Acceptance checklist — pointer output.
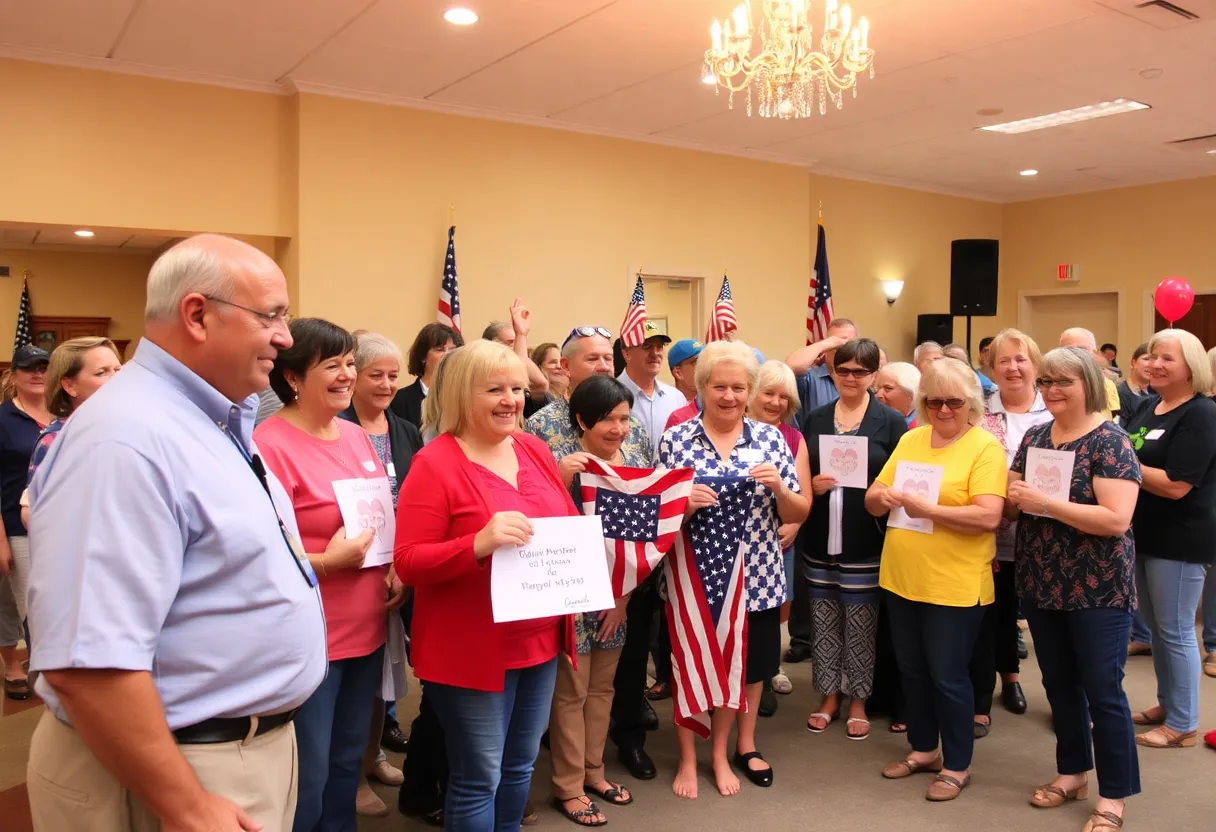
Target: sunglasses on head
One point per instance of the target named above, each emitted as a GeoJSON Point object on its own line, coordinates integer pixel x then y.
{"type": "Point", "coordinates": [1048, 383]}
{"type": "Point", "coordinates": [851, 372]}
{"type": "Point", "coordinates": [952, 404]}
{"type": "Point", "coordinates": [587, 332]}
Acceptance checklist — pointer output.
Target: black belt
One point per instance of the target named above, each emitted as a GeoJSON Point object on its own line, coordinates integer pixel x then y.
{"type": "Point", "coordinates": [234, 729]}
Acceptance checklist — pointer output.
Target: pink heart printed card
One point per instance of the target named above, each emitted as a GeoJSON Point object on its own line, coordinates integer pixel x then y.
{"type": "Point", "coordinates": [846, 458]}
{"type": "Point", "coordinates": [1049, 472]}
{"type": "Point", "coordinates": [922, 480]}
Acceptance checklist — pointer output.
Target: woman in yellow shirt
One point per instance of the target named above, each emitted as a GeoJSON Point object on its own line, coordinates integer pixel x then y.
{"type": "Point", "coordinates": [937, 566]}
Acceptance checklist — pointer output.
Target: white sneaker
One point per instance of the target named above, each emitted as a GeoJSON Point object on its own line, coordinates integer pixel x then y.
{"type": "Point", "coordinates": [782, 683]}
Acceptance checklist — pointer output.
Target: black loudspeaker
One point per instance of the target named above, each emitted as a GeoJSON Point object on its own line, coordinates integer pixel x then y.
{"type": "Point", "coordinates": [973, 266]}
{"type": "Point", "coordinates": [939, 328]}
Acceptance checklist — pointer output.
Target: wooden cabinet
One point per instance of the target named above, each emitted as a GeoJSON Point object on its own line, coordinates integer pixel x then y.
{"type": "Point", "coordinates": [49, 331]}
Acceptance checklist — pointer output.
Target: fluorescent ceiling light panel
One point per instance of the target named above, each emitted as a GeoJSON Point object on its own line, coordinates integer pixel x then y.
{"type": "Point", "coordinates": [1073, 116]}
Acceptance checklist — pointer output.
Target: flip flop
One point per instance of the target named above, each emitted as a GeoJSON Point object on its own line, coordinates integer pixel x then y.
{"type": "Point", "coordinates": [614, 794]}
{"type": "Point", "coordinates": [829, 717]}
{"type": "Point", "coordinates": [583, 817]}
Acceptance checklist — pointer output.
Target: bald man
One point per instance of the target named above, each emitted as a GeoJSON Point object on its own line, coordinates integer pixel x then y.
{"type": "Point", "coordinates": [179, 627]}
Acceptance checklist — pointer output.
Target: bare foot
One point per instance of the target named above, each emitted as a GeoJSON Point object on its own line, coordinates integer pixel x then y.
{"type": "Point", "coordinates": [728, 783]}
{"type": "Point", "coordinates": [685, 784]}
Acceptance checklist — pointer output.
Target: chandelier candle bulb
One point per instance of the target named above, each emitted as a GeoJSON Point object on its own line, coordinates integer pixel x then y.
{"type": "Point", "coordinates": [865, 33]}
{"type": "Point", "coordinates": [846, 17]}
{"type": "Point", "coordinates": [741, 20]}
{"type": "Point", "coordinates": [715, 33]}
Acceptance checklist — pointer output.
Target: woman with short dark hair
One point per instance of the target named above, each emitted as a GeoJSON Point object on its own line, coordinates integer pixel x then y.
{"type": "Point", "coordinates": [432, 343]}
{"type": "Point", "coordinates": [582, 698]}
{"type": "Point", "coordinates": [308, 447]}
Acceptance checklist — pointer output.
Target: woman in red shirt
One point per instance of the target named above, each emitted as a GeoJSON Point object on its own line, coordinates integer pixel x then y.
{"type": "Point", "coordinates": [470, 491]}
{"type": "Point", "coordinates": [309, 448]}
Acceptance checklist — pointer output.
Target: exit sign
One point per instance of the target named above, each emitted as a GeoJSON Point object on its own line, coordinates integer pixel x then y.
{"type": "Point", "coordinates": [1068, 273]}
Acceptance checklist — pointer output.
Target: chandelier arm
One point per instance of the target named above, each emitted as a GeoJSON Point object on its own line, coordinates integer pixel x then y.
{"type": "Point", "coordinates": [817, 65]}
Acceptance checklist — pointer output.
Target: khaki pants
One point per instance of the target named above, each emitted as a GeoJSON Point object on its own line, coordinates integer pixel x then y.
{"type": "Point", "coordinates": [70, 790]}
{"type": "Point", "coordinates": [578, 725]}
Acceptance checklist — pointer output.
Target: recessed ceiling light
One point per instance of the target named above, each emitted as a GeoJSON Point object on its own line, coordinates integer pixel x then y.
{"type": "Point", "coordinates": [989, 111]}
{"type": "Point", "coordinates": [1029, 172]}
{"type": "Point", "coordinates": [1150, 74]}
{"type": "Point", "coordinates": [1211, 152]}
{"type": "Point", "coordinates": [84, 232]}
{"type": "Point", "coordinates": [1090, 111]}
{"type": "Point", "coordinates": [460, 16]}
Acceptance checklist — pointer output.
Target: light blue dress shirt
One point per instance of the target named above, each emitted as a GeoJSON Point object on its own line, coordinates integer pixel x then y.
{"type": "Point", "coordinates": [815, 389]}
{"type": "Point", "coordinates": [652, 411]}
{"type": "Point", "coordinates": [155, 547]}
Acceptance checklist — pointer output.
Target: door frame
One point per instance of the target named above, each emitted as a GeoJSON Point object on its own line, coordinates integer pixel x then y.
{"type": "Point", "coordinates": [700, 317]}
{"type": "Point", "coordinates": [1149, 318]}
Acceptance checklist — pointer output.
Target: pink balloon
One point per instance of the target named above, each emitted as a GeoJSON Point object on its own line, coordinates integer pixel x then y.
{"type": "Point", "coordinates": [1173, 298]}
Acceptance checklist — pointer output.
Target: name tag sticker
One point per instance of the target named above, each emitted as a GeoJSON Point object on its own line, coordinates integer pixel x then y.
{"type": "Point", "coordinates": [752, 456]}
{"type": "Point", "coordinates": [391, 470]}
{"type": "Point", "coordinates": [1154, 434]}
{"type": "Point", "coordinates": [369, 465]}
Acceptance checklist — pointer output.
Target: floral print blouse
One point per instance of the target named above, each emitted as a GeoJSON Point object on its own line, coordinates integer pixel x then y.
{"type": "Point", "coordinates": [1058, 567]}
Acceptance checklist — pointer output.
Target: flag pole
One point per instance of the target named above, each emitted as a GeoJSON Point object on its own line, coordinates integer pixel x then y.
{"type": "Point", "coordinates": [451, 214]}
{"type": "Point", "coordinates": [821, 212]}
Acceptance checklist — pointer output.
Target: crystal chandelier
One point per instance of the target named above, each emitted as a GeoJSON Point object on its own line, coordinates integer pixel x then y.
{"type": "Point", "coordinates": [788, 74]}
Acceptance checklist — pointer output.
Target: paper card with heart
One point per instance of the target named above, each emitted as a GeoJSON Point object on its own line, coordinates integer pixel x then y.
{"type": "Point", "coordinates": [847, 458]}
{"type": "Point", "coordinates": [925, 480]}
{"type": "Point", "coordinates": [1049, 472]}
{"type": "Point", "coordinates": [368, 504]}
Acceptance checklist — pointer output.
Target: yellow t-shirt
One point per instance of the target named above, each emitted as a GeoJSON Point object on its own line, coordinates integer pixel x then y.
{"type": "Point", "coordinates": [946, 567]}
{"type": "Point", "coordinates": [1112, 400]}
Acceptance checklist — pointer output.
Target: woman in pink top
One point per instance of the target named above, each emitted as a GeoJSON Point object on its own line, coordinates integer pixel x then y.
{"type": "Point", "coordinates": [308, 448]}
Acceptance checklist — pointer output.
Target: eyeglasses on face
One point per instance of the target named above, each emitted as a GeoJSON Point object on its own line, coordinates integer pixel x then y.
{"type": "Point", "coordinates": [950, 404]}
{"type": "Point", "coordinates": [268, 319]}
{"type": "Point", "coordinates": [1048, 383]}
{"type": "Point", "coordinates": [587, 332]}
{"type": "Point", "coordinates": [851, 372]}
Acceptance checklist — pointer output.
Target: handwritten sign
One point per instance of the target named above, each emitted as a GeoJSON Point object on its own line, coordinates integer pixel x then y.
{"type": "Point", "coordinates": [368, 504]}
{"type": "Point", "coordinates": [847, 458]}
{"type": "Point", "coordinates": [1049, 472]}
{"type": "Point", "coordinates": [925, 480]}
{"type": "Point", "coordinates": [561, 570]}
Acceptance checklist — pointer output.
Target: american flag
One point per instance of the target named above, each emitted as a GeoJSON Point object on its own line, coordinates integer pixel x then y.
{"type": "Point", "coordinates": [819, 304]}
{"type": "Point", "coordinates": [722, 320]}
{"type": "Point", "coordinates": [23, 319]}
{"type": "Point", "coordinates": [633, 328]}
{"type": "Point", "coordinates": [707, 606]}
{"type": "Point", "coordinates": [449, 289]}
{"type": "Point", "coordinates": [642, 509]}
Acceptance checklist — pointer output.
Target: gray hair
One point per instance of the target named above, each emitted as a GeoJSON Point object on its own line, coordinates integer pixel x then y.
{"type": "Point", "coordinates": [726, 352]}
{"type": "Point", "coordinates": [490, 333]}
{"type": "Point", "coordinates": [924, 345]}
{"type": "Point", "coordinates": [184, 269]}
{"type": "Point", "coordinates": [370, 347]}
{"type": "Point", "coordinates": [1078, 363]}
{"type": "Point", "coordinates": [1081, 333]}
{"type": "Point", "coordinates": [905, 375]}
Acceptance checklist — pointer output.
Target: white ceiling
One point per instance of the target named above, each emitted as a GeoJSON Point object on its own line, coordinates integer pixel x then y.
{"type": "Point", "coordinates": [631, 68]}
{"type": "Point", "coordinates": [63, 237]}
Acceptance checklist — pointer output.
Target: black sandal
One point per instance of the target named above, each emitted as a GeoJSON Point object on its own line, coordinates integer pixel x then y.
{"type": "Point", "coordinates": [17, 689]}
{"type": "Point", "coordinates": [614, 794]}
{"type": "Point", "coordinates": [583, 817]}
{"type": "Point", "coordinates": [658, 692]}
{"type": "Point", "coordinates": [761, 777]}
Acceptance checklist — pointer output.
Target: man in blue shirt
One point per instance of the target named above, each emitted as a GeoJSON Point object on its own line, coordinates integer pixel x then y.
{"type": "Point", "coordinates": [178, 623]}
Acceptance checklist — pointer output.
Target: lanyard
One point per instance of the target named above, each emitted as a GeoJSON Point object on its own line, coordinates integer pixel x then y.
{"type": "Point", "coordinates": [293, 545]}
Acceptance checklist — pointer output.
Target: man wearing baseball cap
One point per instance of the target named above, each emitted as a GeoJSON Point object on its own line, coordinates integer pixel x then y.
{"type": "Point", "coordinates": [682, 359]}
{"type": "Point", "coordinates": [653, 401]}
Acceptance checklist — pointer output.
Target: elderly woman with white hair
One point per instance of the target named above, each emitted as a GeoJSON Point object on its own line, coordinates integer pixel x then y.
{"type": "Point", "coordinates": [895, 386]}
{"type": "Point", "coordinates": [937, 567]}
{"type": "Point", "coordinates": [749, 463]}
{"type": "Point", "coordinates": [1174, 434]}
{"type": "Point", "coordinates": [775, 403]}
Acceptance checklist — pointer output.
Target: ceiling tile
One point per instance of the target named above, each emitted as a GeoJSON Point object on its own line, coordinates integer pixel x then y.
{"type": "Point", "coordinates": [75, 27]}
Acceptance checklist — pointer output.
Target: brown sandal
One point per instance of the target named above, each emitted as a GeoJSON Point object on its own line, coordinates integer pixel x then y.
{"type": "Point", "coordinates": [944, 787]}
{"type": "Point", "coordinates": [1103, 820]}
{"type": "Point", "coordinates": [1164, 737]}
{"type": "Point", "coordinates": [1142, 718]}
{"type": "Point", "coordinates": [1051, 795]}
{"type": "Point", "coordinates": [906, 768]}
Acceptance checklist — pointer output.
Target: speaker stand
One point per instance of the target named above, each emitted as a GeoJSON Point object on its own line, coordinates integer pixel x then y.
{"type": "Point", "coordinates": [968, 337]}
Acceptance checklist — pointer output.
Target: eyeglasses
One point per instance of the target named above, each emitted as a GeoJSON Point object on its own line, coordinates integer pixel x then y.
{"type": "Point", "coordinates": [849, 372]}
{"type": "Point", "coordinates": [952, 404]}
{"type": "Point", "coordinates": [1048, 383]}
{"type": "Point", "coordinates": [268, 319]}
{"type": "Point", "coordinates": [587, 332]}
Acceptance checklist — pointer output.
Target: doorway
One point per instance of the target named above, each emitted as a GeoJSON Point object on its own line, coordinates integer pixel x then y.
{"type": "Point", "coordinates": [673, 305]}
{"type": "Point", "coordinates": [1200, 321]}
{"type": "Point", "coordinates": [1043, 317]}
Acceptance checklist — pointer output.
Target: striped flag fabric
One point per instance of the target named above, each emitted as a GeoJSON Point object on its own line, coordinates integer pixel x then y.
{"type": "Point", "coordinates": [449, 289]}
{"type": "Point", "coordinates": [633, 328]}
{"type": "Point", "coordinates": [22, 337]}
{"type": "Point", "coordinates": [722, 319]}
{"type": "Point", "coordinates": [641, 509]}
{"type": "Point", "coordinates": [819, 303]}
{"type": "Point", "coordinates": [707, 606]}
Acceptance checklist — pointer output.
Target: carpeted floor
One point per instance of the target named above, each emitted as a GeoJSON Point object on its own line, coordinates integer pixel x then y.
{"type": "Point", "coordinates": [827, 782]}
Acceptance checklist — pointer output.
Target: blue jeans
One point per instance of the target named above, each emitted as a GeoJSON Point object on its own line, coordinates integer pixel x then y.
{"type": "Point", "coordinates": [1081, 654]}
{"type": "Point", "coordinates": [1140, 631]}
{"type": "Point", "coordinates": [933, 646]}
{"type": "Point", "coordinates": [492, 741]}
{"type": "Point", "coordinates": [1169, 593]}
{"type": "Point", "coordinates": [1209, 612]}
{"type": "Point", "coordinates": [331, 731]}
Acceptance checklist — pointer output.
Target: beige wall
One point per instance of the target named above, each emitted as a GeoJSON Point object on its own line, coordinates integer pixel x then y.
{"type": "Point", "coordinates": [69, 283]}
{"type": "Point", "coordinates": [1125, 241]}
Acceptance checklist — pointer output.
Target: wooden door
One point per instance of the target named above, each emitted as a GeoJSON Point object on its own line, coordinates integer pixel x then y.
{"type": "Point", "coordinates": [1200, 321]}
{"type": "Point", "coordinates": [49, 331]}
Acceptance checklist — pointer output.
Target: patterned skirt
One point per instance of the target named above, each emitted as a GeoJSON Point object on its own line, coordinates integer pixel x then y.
{"type": "Point", "coordinates": [848, 583]}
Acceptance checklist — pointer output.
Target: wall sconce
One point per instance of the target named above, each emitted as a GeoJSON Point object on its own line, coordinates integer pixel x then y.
{"type": "Point", "coordinates": [892, 289]}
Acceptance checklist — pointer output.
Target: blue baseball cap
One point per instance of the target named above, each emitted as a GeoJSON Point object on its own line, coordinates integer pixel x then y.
{"type": "Point", "coordinates": [683, 350]}
{"type": "Point", "coordinates": [759, 355]}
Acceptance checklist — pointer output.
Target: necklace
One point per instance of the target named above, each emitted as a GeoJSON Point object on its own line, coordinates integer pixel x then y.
{"type": "Point", "coordinates": [853, 415]}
